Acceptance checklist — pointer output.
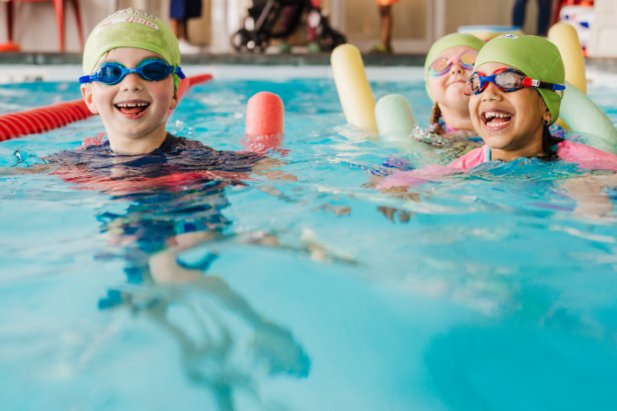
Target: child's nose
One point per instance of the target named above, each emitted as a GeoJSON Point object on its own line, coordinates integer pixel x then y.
{"type": "Point", "coordinates": [131, 81]}
{"type": "Point", "coordinates": [491, 92]}
{"type": "Point", "coordinates": [456, 68]}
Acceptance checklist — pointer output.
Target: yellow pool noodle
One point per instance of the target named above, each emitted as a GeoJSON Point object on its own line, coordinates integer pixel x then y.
{"type": "Point", "coordinates": [565, 37]}
{"type": "Point", "coordinates": [353, 88]}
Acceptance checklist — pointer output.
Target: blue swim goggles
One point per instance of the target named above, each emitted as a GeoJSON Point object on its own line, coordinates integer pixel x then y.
{"type": "Point", "coordinates": [111, 73]}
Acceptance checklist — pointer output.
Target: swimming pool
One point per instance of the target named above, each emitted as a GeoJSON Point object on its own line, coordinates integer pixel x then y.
{"type": "Point", "coordinates": [486, 291]}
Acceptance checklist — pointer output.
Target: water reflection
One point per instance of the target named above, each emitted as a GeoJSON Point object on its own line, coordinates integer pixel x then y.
{"type": "Point", "coordinates": [162, 206]}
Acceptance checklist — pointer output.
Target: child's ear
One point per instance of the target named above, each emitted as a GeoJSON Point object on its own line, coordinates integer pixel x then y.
{"type": "Point", "coordinates": [547, 117]}
{"type": "Point", "coordinates": [86, 93]}
{"type": "Point", "coordinates": [174, 100]}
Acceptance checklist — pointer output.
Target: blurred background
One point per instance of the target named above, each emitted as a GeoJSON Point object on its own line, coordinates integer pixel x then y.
{"type": "Point", "coordinates": [417, 23]}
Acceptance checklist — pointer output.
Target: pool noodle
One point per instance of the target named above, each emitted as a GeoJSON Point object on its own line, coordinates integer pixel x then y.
{"type": "Point", "coordinates": [565, 37]}
{"type": "Point", "coordinates": [265, 119]}
{"type": "Point", "coordinates": [578, 111]}
{"type": "Point", "coordinates": [396, 123]}
{"type": "Point", "coordinates": [395, 120]}
{"type": "Point", "coordinates": [47, 118]}
{"type": "Point", "coordinates": [353, 88]}
{"type": "Point", "coordinates": [585, 117]}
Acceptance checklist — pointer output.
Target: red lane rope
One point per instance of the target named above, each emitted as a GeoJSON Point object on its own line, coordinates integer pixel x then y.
{"type": "Point", "coordinates": [42, 119]}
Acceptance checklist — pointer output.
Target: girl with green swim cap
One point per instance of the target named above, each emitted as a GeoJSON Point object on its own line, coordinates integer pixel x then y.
{"type": "Point", "coordinates": [448, 64]}
{"type": "Point", "coordinates": [515, 94]}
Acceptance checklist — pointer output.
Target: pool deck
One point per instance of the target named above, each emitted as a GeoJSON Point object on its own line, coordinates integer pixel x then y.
{"type": "Point", "coordinates": [296, 59]}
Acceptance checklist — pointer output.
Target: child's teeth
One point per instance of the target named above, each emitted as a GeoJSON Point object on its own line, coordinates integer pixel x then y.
{"type": "Point", "coordinates": [128, 105]}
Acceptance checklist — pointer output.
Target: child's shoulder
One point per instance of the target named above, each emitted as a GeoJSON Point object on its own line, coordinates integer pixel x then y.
{"type": "Point", "coordinates": [173, 143]}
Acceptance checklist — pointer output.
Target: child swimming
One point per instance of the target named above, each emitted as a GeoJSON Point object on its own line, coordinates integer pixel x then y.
{"type": "Point", "coordinates": [447, 66]}
{"type": "Point", "coordinates": [515, 93]}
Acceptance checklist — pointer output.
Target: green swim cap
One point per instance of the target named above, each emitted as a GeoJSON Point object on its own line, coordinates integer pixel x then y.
{"type": "Point", "coordinates": [131, 28]}
{"type": "Point", "coordinates": [535, 56]}
{"type": "Point", "coordinates": [447, 42]}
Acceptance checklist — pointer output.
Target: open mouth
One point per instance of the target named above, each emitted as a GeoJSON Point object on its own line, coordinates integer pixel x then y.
{"type": "Point", "coordinates": [496, 120]}
{"type": "Point", "coordinates": [132, 108]}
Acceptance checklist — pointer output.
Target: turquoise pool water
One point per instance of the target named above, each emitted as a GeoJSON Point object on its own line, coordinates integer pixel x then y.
{"type": "Point", "coordinates": [485, 291]}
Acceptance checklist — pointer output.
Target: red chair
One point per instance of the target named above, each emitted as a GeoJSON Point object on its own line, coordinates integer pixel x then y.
{"type": "Point", "coordinates": [59, 11]}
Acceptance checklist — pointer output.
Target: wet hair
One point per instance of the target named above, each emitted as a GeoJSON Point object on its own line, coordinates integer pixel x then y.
{"type": "Point", "coordinates": [434, 120]}
{"type": "Point", "coordinates": [549, 144]}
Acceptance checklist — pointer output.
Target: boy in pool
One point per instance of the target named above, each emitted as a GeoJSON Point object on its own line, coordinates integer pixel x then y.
{"type": "Point", "coordinates": [132, 72]}
{"type": "Point", "coordinates": [515, 93]}
{"type": "Point", "coordinates": [132, 65]}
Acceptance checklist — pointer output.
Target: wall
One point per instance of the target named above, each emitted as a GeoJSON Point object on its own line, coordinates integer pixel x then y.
{"type": "Point", "coordinates": [417, 22]}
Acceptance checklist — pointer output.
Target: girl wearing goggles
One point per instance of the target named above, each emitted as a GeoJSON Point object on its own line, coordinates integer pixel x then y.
{"type": "Point", "coordinates": [448, 64]}
{"type": "Point", "coordinates": [512, 109]}
{"type": "Point", "coordinates": [509, 113]}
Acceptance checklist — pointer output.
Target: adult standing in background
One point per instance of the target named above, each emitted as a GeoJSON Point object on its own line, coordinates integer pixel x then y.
{"type": "Point", "coordinates": [386, 22]}
{"type": "Point", "coordinates": [544, 15]}
{"type": "Point", "coordinates": [180, 11]}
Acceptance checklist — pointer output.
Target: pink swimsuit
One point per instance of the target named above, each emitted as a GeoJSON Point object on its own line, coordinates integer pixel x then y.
{"type": "Point", "coordinates": [571, 152]}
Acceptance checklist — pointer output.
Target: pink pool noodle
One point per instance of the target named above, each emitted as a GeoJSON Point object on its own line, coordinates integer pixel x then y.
{"type": "Point", "coordinates": [265, 115]}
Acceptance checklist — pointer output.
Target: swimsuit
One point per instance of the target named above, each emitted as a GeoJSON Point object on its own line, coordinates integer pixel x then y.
{"type": "Point", "coordinates": [584, 156]}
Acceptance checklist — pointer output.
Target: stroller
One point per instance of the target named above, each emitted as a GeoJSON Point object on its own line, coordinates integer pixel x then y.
{"type": "Point", "coordinates": [268, 19]}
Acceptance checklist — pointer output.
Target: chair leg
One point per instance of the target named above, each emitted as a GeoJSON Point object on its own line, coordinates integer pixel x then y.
{"type": "Point", "coordinates": [9, 15]}
{"type": "Point", "coordinates": [80, 30]}
{"type": "Point", "coordinates": [59, 9]}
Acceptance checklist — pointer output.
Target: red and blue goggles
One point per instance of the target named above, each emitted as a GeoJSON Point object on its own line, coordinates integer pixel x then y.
{"type": "Point", "coordinates": [507, 80]}
{"type": "Point", "coordinates": [442, 65]}
{"type": "Point", "coordinates": [111, 73]}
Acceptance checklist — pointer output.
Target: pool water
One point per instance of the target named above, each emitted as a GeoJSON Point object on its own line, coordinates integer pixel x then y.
{"type": "Point", "coordinates": [490, 290]}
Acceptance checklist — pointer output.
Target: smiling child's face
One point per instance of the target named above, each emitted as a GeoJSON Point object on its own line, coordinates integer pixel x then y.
{"type": "Point", "coordinates": [511, 124]}
{"type": "Point", "coordinates": [135, 110]}
{"type": "Point", "coordinates": [448, 90]}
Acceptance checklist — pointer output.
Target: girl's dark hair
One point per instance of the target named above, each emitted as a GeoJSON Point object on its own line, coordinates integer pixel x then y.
{"type": "Point", "coordinates": [549, 144]}
{"type": "Point", "coordinates": [434, 121]}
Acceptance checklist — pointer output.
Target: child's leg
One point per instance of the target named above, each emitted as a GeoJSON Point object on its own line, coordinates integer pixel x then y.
{"type": "Point", "coordinates": [518, 13]}
{"type": "Point", "coordinates": [385, 13]}
{"type": "Point", "coordinates": [544, 16]}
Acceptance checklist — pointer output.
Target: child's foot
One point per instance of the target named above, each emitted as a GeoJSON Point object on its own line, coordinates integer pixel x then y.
{"type": "Point", "coordinates": [188, 48]}
{"type": "Point", "coordinates": [313, 47]}
{"type": "Point", "coordinates": [284, 48]}
{"type": "Point", "coordinates": [381, 49]}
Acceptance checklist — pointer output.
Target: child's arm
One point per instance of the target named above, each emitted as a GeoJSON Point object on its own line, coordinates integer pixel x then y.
{"type": "Point", "coordinates": [590, 195]}
{"type": "Point", "coordinates": [35, 169]}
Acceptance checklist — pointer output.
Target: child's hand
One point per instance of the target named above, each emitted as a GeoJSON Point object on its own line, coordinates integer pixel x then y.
{"type": "Point", "coordinates": [391, 214]}
{"type": "Point", "coordinates": [264, 167]}
{"type": "Point", "coordinates": [588, 192]}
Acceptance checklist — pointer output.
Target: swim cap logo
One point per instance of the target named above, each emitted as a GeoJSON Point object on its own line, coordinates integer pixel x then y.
{"type": "Point", "coordinates": [510, 36]}
{"type": "Point", "coordinates": [129, 16]}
